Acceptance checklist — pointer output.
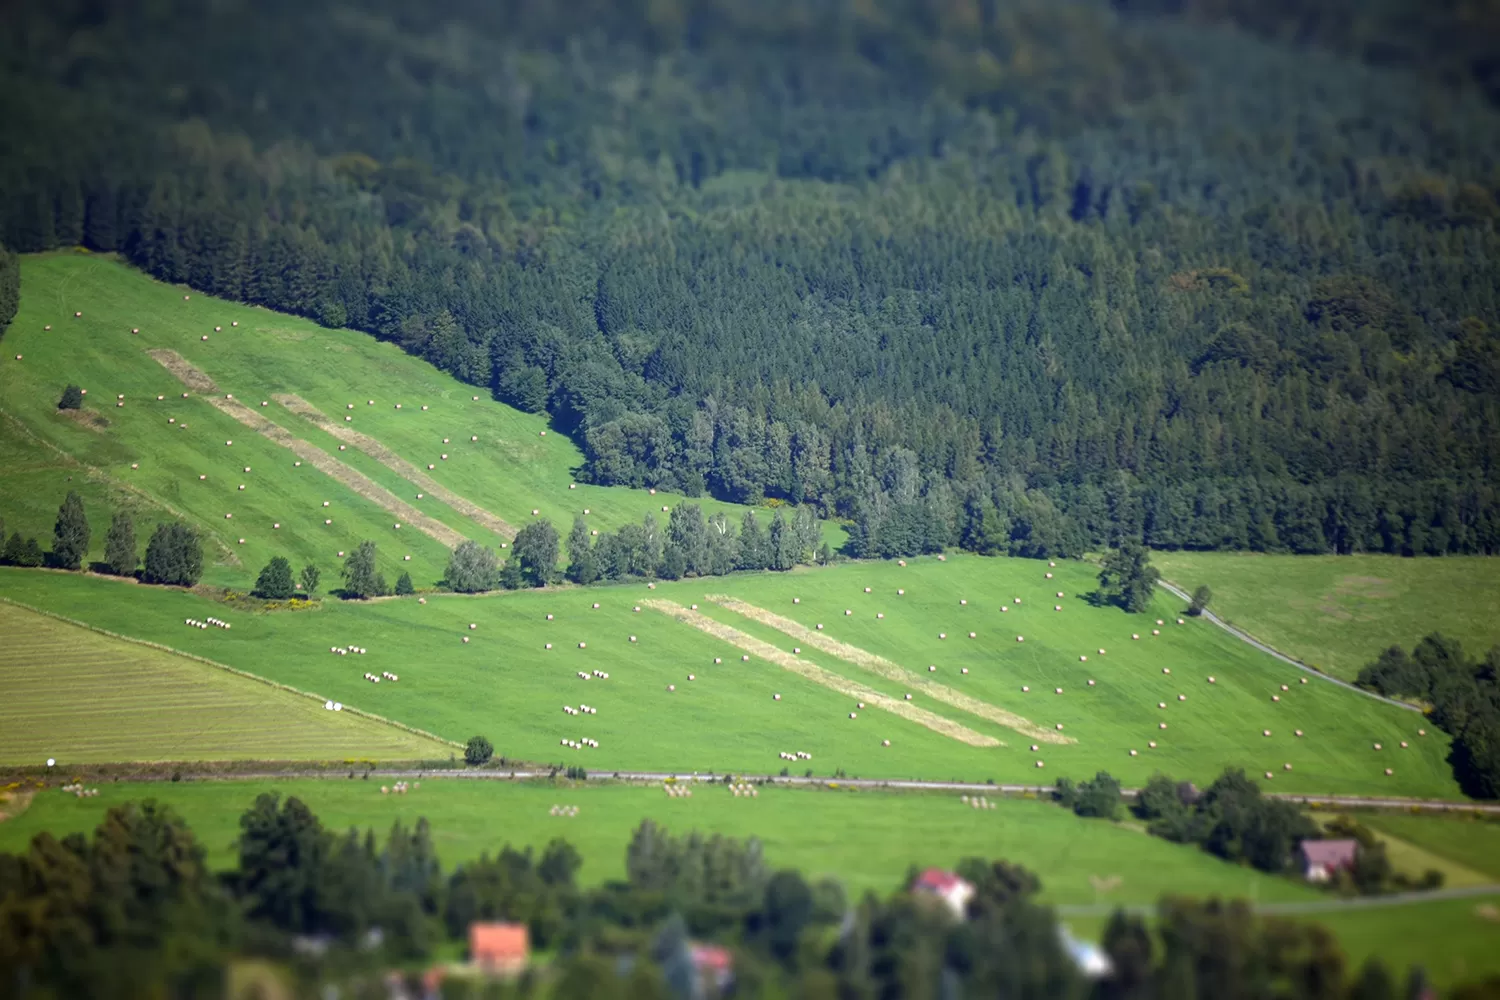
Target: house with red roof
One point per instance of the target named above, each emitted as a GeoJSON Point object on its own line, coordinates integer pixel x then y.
{"type": "Point", "coordinates": [946, 887]}
{"type": "Point", "coordinates": [1320, 859]}
{"type": "Point", "coordinates": [499, 949]}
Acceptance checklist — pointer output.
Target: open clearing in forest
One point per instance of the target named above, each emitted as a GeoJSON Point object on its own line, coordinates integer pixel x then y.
{"type": "Point", "coordinates": [1338, 612]}
{"type": "Point", "coordinates": [157, 449]}
{"type": "Point", "coordinates": [505, 683]}
{"type": "Point", "coordinates": [83, 697]}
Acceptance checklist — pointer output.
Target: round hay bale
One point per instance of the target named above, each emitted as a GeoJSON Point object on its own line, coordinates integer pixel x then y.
{"type": "Point", "coordinates": [965, 669]}
{"type": "Point", "coordinates": [1091, 682]}
{"type": "Point", "coordinates": [1057, 690]}
{"type": "Point", "coordinates": [1389, 772]}
{"type": "Point", "coordinates": [1025, 688]}
{"type": "Point", "coordinates": [1151, 745]}
{"type": "Point", "coordinates": [1040, 764]}
{"type": "Point", "coordinates": [1275, 697]}
{"type": "Point", "coordinates": [1265, 732]}
{"type": "Point", "coordinates": [1059, 726]}
{"type": "Point", "coordinates": [931, 668]}
{"type": "Point", "coordinates": [745, 658]}
{"type": "Point", "coordinates": [1182, 697]}
{"type": "Point", "coordinates": [885, 743]}
{"type": "Point", "coordinates": [1211, 680]}
{"type": "Point", "coordinates": [775, 697]}
{"type": "Point", "coordinates": [1132, 753]}
{"type": "Point", "coordinates": [1376, 746]}
{"type": "Point", "coordinates": [1166, 670]}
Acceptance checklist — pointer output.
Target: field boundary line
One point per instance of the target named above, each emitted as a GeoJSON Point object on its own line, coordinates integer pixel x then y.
{"type": "Point", "coordinates": [227, 668]}
{"type": "Point", "coordinates": [1246, 637]}
{"type": "Point", "coordinates": [818, 675]}
{"type": "Point", "coordinates": [388, 458]}
{"type": "Point", "coordinates": [889, 669]}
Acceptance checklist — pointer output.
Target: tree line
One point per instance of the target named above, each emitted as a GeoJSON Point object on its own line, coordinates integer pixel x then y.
{"type": "Point", "coordinates": [174, 553]}
{"type": "Point", "coordinates": [907, 263]}
{"type": "Point", "coordinates": [133, 910]}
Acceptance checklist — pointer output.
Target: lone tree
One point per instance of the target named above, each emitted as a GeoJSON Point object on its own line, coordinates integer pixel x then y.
{"type": "Point", "coordinates": [275, 581]}
{"type": "Point", "coordinates": [361, 579]}
{"type": "Point", "coordinates": [478, 751]}
{"type": "Point", "coordinates": [1128, 577]}
{"type": "Point", "coordinates": [119, 545]}
{"type": "Point", "coordinates": [174, 556]}
{"type": "Point", "coordinates": [309, 578]}
{"type": "Point", "coordinates": [72, 399]}
{"type": "Point", "coordinates": [1200, 600]}
{"type": "Point", "coordinates": [403, 585]}
{"type": "Point", "coordinates": [472, 569]}
{"type": "Point", "coordinates": [70, 536]}
{"type": "Point", "coordinates": [535, 553]}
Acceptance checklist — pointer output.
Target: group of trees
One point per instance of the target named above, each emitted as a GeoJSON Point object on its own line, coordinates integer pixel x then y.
{"type": "Point", "coordinates": [134, 910]}
{"type": "Point", "coordinates": [174, 553]}
{"type": "Point", "coordinates": [1230, 818]}
{"type": "Point", "coordinates": [10, 287]}
{"type": "Point", "coordinates": [276, 582]}
{"type": "Point", "coordinates": [918, 265]}
{"type": "Point", "coordinates": [1464, 696]}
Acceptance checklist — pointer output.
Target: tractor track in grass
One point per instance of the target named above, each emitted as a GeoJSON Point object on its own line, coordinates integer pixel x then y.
{"type": "Point", "coordinates": [400, 466]}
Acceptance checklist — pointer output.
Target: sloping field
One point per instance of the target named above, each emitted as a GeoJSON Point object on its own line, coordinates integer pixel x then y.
{"type": "Point", "coordinates": [1338, 612]}
{"type": "Point", "coordinates": [506, 683]}
{"type": "Point", "coordinates": [82, 697]}
{"type": "Point", "coordinates": [309, 377]}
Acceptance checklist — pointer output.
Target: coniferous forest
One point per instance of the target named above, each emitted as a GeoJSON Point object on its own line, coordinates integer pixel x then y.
{"type": "Point", "coordinates": [1029, 277]}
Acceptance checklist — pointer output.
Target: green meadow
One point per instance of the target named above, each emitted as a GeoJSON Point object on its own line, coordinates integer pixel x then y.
{"type": "Point", "coordinates": [506, 684]}
{"type": "Point", "coordinates": [865, 839]}
{"type": "Point", "coordinates": [172, 452]}
{"type": "Point", "coordinates": [1470, 840]}
{"type": "Point", "coordinates": [1338, 612]}
{"type": "Point", "coordinates": [108, 700]}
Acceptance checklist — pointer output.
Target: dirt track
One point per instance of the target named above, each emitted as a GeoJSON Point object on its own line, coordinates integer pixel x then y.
{"type": "Point", "coordinates": [395, 463]}
{"type": "Point", "coordinates": [818, 675]}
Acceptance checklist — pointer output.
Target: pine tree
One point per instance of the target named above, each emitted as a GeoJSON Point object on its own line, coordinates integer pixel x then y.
{"type": "Point", "coordinates": [275, 582]}
{"type": "Point", "coordinates": [583, 565]}
{"type": "Point", "coordinates": [361, 578]}
{"type": "Point", "coordinates": [22, 552]}
{"type": "Point", "coordinates": [119, 545]}
{"type": "Point", "coordinates": [403, 585]}
{"type": "Point", "coordinates": [174, 556]}
{"type": "Point", "coordinates": [70, 535]}
{"type": "Point", "coordinates": [754, 546]}
{"type": "Point", "coordinates": [781, 544]}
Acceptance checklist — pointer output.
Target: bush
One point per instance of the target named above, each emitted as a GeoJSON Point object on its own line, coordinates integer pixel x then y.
{"type": "Point", "coordinates": [1098, 798]}
{"type": "Point", "coordinates": [72, 399]}
{"type": "Point", "coordinates": [478, 751]}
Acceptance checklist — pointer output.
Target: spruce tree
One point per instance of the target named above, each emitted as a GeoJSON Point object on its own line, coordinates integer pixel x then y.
{"type": "Point", "coordinates": [583, 565]}
{"type": "Point", "coordinates": [361, 579]}
{"type": "Point", "coordinates": [174, 556]}
{"type": "Point", "coordinates": [22, 552]}
{"type": "Point", "coordinates": [275, 582]}
{"type": "Point", "coordinates": [120, 554]}
{"type": "Point", "coordinates": [70, 535]}
{"type": "Point", "coordinates": [403, 585]}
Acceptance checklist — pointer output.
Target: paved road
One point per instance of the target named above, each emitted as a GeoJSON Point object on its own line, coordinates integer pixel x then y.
{"type": "Point", "coordinates": [1246, 637]}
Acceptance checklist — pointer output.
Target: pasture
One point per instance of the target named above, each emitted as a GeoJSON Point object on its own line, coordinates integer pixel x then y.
{"type": "Point", "coordinates": [329, 430]}
{"type": "Point", "coordinates": [668, 705]}
{"type": "Point", "coordinates": [83, 697]}
{"type": "Point", "coordinates": [1469, 840]}
{"type": "Point", "coordinates": [1338, 612]}
{"type": "Point", "coordinates": [866, 840]}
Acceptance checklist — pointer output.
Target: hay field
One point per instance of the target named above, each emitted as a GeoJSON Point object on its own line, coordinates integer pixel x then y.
{"type": "Point", "coordinates": [506, 684]}
{"type": "Point", "coordinates": [1338, 612]}
{"type": "Point", "coordinates": [516, 465]}
{"type": "Point", "coordinates": [82, 697]}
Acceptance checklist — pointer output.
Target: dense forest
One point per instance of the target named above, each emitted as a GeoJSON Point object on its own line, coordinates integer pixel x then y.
{"type": "Point", "coordinates": [1028, 277]}
{"type": "Point", "coordinates": [135, 911]}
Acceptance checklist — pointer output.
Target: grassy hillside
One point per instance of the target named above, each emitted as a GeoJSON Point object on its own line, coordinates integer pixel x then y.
{"type": "Point", "coordinates": [505, 683]}
{"type": "Point", "coordinates": [84, 697]}
{"type": "Point", "coordinates": [865, 839]}
{"type": "Point", "coordinates": [516, 466]}
{"type": "Point", "coordinates": [1338, 612]}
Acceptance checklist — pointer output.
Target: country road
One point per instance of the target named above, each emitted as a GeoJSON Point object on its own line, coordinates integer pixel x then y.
{"type": "Point", "coordinates": [1301, 907]}
{"type": "Point", "coordinates": [1248, 638]}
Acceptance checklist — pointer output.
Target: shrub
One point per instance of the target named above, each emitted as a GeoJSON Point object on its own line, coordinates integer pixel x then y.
{"type": "Point", "coordinates": [478, 751]}
{"type": "Point", "coordinates": [72, 399]}
{"type": "Point", "coordinates": [275, 581]}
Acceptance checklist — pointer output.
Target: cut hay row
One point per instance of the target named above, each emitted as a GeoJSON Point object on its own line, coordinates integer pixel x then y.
{"type": "Point", "coordinates": [357, 481]}
{"type": "Point", "coordinates": [818, 675]}
{"type": "Point", "coordinates": [891, 671]}
{"type": "Point", "coordinates": [397, 464]}
{"type": "Point", "coordinates": [187, 373]}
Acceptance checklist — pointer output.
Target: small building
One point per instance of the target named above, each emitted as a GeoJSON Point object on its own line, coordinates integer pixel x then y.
{"type": "Point", "coordinates": [499, 949]}
{"type": "Point", "coordinates": [1322, 858]}
{"type": "Point", "coordinates": [953, 891]}
{"type": "Point", "coordinates": [715, 968]}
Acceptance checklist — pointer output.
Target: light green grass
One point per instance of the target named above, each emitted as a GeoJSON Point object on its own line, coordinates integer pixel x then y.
{"type": "Point", "coordinates": [1454, 940]}
{"type": "Point", "coordinates": [84, 697]}
{"type": "Point", "coordinates": [865, 839]}
{"type": "Point", "coordinates": [1471, 841]}
{"type": "Point", "coordinates": [506, 685]}
{"type": "Point", "coordinates": [1338, 612]}
{"type": "Point", "coordinates": [512, 470]}
{"type": "Point", "coordinates": [1415, 857]}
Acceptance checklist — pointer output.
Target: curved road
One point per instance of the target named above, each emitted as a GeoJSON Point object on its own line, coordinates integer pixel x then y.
{"type": "Point", "coordinates": [1248, 638]}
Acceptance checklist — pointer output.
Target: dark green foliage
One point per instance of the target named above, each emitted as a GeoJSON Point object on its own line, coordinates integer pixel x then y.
{"type": "Point", "coordinates": [583, 567]}
{"type": "Point", "coordinates": [10, 287]}
{"type": "Point", "coordinates": [361, 577]}
{"type": "Point", "coordinates": [1230, 818]}
{"type": "Point", "coordinates": [1201, 596]}
{"type": "Point", "coordinates": [472, 569]}
{"type": "Point", "coordinates": [70, 534]}
{"type": "Point", "coordinates": [72, 398]}
{"type": "Point", "coordinates": [1372, 873]}
{"type": "Point", "coordinates": [478, 751]}
{"type": "Point", "coordinates": [1098, 797]}
{"type": "Point", "coordinates": [275, 582]}
{"type": "Point", "coordinates": [1128, 578]}
{"type": "Point", "coordinates": [673, 563]}
{"type": "Point", "coordinates": [310, 577]}
{"type": "Point", "coordinates": [1221, 949]}
{"type": "Point", "coordinates": [174, 556]}
{"type": "Point", "coordinates": [404, 586]}
{"type": "Point", "coordinates": [534, 553]}
{"type": "Point", "coordinates": [120, 555]}
{"type": "Point", "coordinates": [1465, 697]}
{"type": "Point", "coordinates": [19, 552]}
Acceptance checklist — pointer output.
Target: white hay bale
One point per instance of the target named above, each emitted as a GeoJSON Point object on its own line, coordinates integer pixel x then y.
{"type": "Point", "coordinates": [1025, 688]}
{"type": "Point", "coordinates": [1049, 576]}
{"type": "Point", "coordinates": [424, 407]}
{"type": "Point", "coordinates": [745, 659]}
{"type": "Point", "coordinates": [879, 614]}
{"type": "Point", "coordinates": [1389, 772]}
{"type": "Point", "coordinates": [205, 336]}
{"type": "Point", "coordinates": [1034, 748]}
{"type": "Point", "coordinates": [1304, 680]}
{"type": "Point", "coordinates": [1403, 744]}
{"type": "Point", "coordinates": [1265, 732]}
{"type": "Point", "coordinates": [717, 660]}
{"type": "Point", "coordinates": [797, 650]}
{"type": "Point", "coordinates": [664, 509]}
{"type": "Point", "coordinates": [1211, 679]}
{"type": "Point", "coordinates": [1161, 725]}
{"type": "Point", "coordinates": [1166, 670]}
{"type": "Point", "coordinates": [1057, 690]}
{"type": "Point", "coordinates": [931, 669]}
{"type": "Point", "coordinates": [1421, 732]}
{"type": "Point", "coordinates": [1059, 727]}
{"type": "Point", "coordinates": [1083, 659]}
{"type": "Point", "coordinates": [1275, 697]}
{"type": "Point", "coordinates": [1020, 638]}
{"type": "Point", "coordinates": [1132, 753]}
{"type": "Point", "coordinates": [583, 645]}
{"type": "Point", "coordinates": [965, 669]}
{"type": "Point", "coordinates": [548, 646]}
{"type": "Point", "coordinates": [466, 638]}
{"type": "Point", "coordinates": [819, 626]}
{"type": "Point", "coordinates": [1040, 764]}
{"type": "Point", "coordinates": [671, 687]}
{"type": "Point", "coordinates": [1376, 746]}
{"type": "Point", "coordinates": [775, 697]}
{"type": "Point", "coordinates": [1057, 607]}
{"type": "Point", "coordinates": [1161, 704]}
{"type": "Point", "coordinates": [853, 715]}
{"type": "Point", "coordinates": [1151, 745]}
{"type": "Point", "coordinates": [1134, 636]}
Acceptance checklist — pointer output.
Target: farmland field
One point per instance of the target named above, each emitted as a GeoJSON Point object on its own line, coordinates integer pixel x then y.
{"type": "Point", "coordinates": [105, 699]}
{"type": "Point", "coordinates": [1470, 841]}
{"type": "Point", "coordinates": [308, 377]}
{"type": "Point", "coordinates": [865, 839]}
{"type": "Point", "coordinates": [1338, 612]}
{"type": "Point", "coordinates": [504, 682]}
